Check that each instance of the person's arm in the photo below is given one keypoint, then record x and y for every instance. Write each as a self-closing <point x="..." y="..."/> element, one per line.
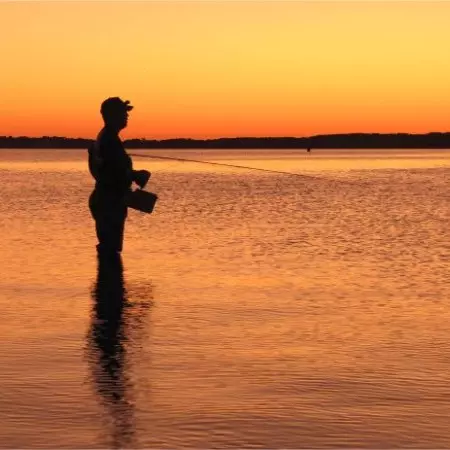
<point x="141" y="177"/>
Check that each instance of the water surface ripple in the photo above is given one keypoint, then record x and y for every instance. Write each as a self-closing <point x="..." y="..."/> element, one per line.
<point x="252" y="310"/>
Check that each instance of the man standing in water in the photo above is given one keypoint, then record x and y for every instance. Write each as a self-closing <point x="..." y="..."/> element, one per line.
<point x="112" y="169"/>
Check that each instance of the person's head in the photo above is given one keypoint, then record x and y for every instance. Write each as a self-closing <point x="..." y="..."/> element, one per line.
<point x="115" y="112"/>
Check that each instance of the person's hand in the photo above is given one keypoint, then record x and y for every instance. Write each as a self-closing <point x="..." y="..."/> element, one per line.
<point x="141" y="177"/>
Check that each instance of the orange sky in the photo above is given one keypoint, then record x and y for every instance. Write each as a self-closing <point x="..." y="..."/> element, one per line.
<point x="218" y="68"/>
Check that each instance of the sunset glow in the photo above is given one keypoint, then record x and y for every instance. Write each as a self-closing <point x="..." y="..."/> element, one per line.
<point x="212" y="69"/>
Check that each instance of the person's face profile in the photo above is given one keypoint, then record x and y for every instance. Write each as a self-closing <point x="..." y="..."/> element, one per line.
<point x="121" y="119"/>
<point x="124" y="118"/>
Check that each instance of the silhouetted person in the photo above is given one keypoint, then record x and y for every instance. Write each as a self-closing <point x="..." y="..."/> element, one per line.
<point x="112" y="169"/>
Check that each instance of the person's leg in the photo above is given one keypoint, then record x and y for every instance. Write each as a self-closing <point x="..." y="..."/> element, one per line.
<point x="110" y="225"/>
<point x="109" y="214"/>
<point x="117" y="228"/>
<point x="94" y="207"/>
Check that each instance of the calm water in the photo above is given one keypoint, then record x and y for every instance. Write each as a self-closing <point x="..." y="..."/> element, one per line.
<point x="262" y="310"/>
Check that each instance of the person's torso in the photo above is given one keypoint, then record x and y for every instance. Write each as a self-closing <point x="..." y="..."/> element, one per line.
<point x="110" y="164"/>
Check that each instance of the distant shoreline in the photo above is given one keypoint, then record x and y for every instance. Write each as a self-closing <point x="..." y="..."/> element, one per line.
<point x="435" y="140"/>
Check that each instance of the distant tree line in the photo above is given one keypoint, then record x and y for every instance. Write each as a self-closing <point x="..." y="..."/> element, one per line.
<point x="353" y="140"/>
<point x="43" y="142"/>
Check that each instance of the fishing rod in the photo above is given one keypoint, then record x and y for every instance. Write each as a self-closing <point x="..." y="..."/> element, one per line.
<point x="145" y="201"/>
<point x="223" y="164"/>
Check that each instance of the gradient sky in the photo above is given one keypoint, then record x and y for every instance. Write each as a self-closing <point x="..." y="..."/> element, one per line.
<point x="225" y="68"/>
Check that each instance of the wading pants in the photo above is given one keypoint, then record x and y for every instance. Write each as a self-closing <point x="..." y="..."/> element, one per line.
<point x="109" y="212"/>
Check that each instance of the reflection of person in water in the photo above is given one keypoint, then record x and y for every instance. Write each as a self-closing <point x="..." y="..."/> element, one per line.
<point x="112" y="169"/>
<point x="109" y="339"/>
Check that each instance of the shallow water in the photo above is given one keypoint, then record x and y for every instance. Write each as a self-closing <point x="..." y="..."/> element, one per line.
<point x="263" y="310"/>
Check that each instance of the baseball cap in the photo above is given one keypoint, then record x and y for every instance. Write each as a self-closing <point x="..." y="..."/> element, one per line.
<point x="115" y="104"/>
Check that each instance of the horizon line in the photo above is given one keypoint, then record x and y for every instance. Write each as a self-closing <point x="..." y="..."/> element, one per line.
<point x="234" y="137"/>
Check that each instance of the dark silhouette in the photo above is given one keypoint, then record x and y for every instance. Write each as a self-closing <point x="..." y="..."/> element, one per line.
<point x="113" y="331"/>
<point x="112" y="169"/>
<point x="345" y="141"/>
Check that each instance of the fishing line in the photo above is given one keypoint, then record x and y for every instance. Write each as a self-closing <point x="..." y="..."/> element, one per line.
<point x="236" y="166"/>
<point x="164" y="168"/>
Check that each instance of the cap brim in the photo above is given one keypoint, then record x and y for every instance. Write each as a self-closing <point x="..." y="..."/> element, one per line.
<point x="127" y="105"/>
